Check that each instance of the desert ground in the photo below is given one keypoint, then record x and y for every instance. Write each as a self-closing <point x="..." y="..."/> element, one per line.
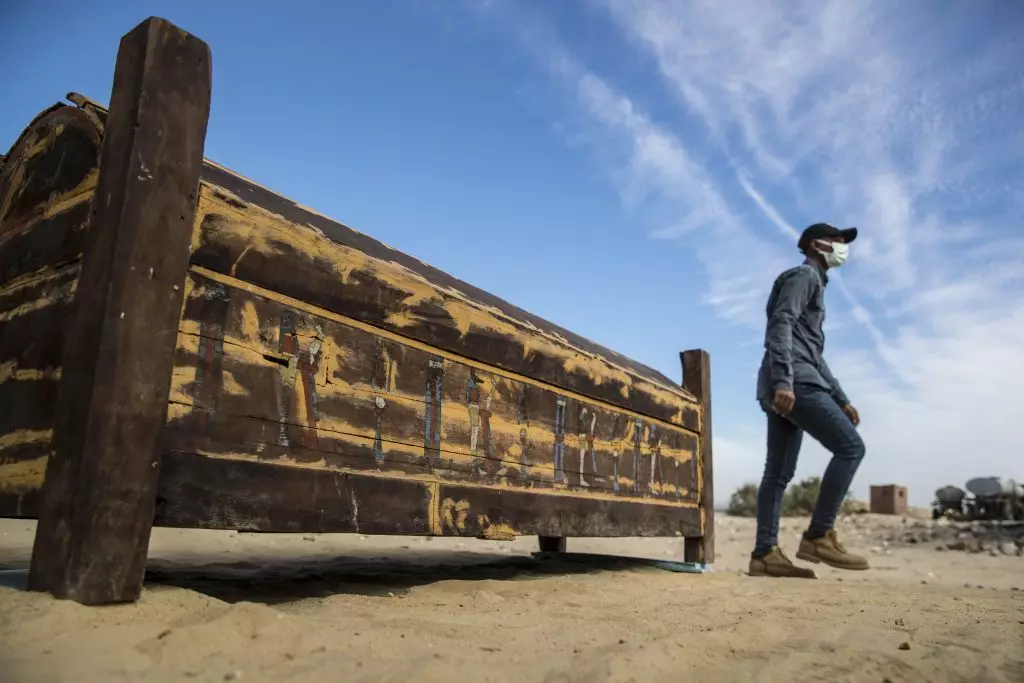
<point x="223" y="606"/>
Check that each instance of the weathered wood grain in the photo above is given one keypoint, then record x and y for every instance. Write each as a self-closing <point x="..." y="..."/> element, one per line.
<point x="46" y="187"/>
<point x="32" y="315"/>
<point x="261" y="376"/>
<point x="251" y="233"/>
<point x="98" y="497"/>
<point x="503" y="514"/>
<point x="319" y="381"/>
<point x="212" y="493"/>
<point x="697" y="379"/>
<point x="248" y="231"/>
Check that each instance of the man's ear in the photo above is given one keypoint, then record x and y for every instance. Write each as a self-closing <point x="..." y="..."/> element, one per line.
<point x="823" y="245"/>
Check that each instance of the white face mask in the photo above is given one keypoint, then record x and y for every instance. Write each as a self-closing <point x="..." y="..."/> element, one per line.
<point x="835" y="258"/>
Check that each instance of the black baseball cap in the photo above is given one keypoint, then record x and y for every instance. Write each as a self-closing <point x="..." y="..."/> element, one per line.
<point x="821" y="230"/>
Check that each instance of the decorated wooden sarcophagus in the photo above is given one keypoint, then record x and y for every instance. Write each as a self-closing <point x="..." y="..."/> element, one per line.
<point x="181" y="346"/>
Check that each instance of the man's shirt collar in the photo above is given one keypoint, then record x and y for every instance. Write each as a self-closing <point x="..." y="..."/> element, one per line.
<point x="822" y="273"/>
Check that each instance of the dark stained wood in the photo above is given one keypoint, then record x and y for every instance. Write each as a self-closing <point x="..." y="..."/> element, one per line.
<point x="209" y="492"/>
<point x="51" y="241"/>
<point x="27" y="405"/>
<point x="99" y="494"/>
<point x="212" y="493"/>
<point x="384" y="291"/>
<point x="254" y="375"/>
<point x="505" y="513"/>
<point x="312" y="380"/>
<point x="31" y="314"/>
<point x="32" y="318"/>
<point x="45" y="187"/>
<point x="697" y="380"/>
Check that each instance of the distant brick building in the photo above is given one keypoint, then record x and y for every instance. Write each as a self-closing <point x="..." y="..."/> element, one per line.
<point x="889" y="499"/>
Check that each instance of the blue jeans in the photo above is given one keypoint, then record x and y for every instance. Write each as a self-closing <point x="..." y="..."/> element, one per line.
<point x="816" y="413"/>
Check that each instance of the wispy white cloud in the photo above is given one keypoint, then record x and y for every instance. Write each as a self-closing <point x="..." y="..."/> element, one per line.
<point x="890" y="120"/>
<point x="905" y="123"/>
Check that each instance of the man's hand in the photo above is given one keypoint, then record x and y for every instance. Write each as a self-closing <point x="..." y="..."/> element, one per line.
<point x="783" y="401"/>
<point x="852" y="413"/>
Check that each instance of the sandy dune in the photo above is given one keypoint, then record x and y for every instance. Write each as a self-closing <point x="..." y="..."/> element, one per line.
<point x="225" y="606"/>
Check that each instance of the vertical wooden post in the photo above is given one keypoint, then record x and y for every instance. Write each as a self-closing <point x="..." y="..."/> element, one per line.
<point x="697" y="380"/>
<point x="98" y="499"/>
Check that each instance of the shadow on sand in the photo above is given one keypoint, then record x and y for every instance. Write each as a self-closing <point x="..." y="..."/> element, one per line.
<point x="280" y="581"/>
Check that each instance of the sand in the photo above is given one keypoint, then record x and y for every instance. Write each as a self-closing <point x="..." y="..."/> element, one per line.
<point x="221" y="606"/>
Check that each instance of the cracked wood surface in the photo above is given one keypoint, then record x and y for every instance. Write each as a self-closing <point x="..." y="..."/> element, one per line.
<point x="256" y="376"/>
<point x="305" y="345"/>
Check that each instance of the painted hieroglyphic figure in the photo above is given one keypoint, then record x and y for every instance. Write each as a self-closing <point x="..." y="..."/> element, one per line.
<point x="432" y="398"/>
<point x="638" y="431"/>
<point x="523" y="418"/>
<point x="590" y="444"/>
<point x="581" y="437"/>
<point x="378" y="444"/>
<point x="523" y="469"/>
<point x="560" y="439"/>
<point x="615" y="471"/>
<point x="383" y="368"/>
<point x="619" y="432"/>
<point x="209" y="373"/>
<point x="586" y="443"/>
<point x="300" y="366"/>
<point x="490" y="463"/>
<point x="654" y="441"/>
<point x="473" y="403"/>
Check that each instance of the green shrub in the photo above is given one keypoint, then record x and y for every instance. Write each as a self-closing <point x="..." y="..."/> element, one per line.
<point x="743" y="501"/>
<point x="798" y="501"/>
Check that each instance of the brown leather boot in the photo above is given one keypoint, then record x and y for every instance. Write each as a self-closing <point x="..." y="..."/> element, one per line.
<point x="775" y="563"/>
<point x="829" y="550"/>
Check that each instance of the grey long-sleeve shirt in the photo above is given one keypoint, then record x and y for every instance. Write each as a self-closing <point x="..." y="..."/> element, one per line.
<point x="794" y="338"/>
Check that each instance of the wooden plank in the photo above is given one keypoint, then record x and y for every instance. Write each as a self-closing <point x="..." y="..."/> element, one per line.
<point x="32" y="317"/>
<point x="506" y="513"/>
<point x="52" y="240"/>
<point x="257" y="236"/>
<point x="222" y="493"/>
<point x="697" y="379"/>
<point x="212" y="493"/>
<point x="98" y="498"/>
<point x="258" y="376"/>
<point x="46" y="187"/>
<point x="261" y="237"/>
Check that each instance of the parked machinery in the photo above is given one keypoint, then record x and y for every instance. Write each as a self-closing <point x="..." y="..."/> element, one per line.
<point x="992" y="498"/>
<point x="949" y="501"/>
<point x="995" y="498"/>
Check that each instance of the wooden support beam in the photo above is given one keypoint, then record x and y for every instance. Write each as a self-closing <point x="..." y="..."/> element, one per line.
<point x="97" y="503"/>
<point x="697" y="380"/>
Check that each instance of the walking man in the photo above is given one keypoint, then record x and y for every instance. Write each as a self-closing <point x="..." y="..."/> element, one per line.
<point x="798" y="394"/>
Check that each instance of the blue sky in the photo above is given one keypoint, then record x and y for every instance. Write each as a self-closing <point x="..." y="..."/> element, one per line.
<point x="637" y="172"/>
